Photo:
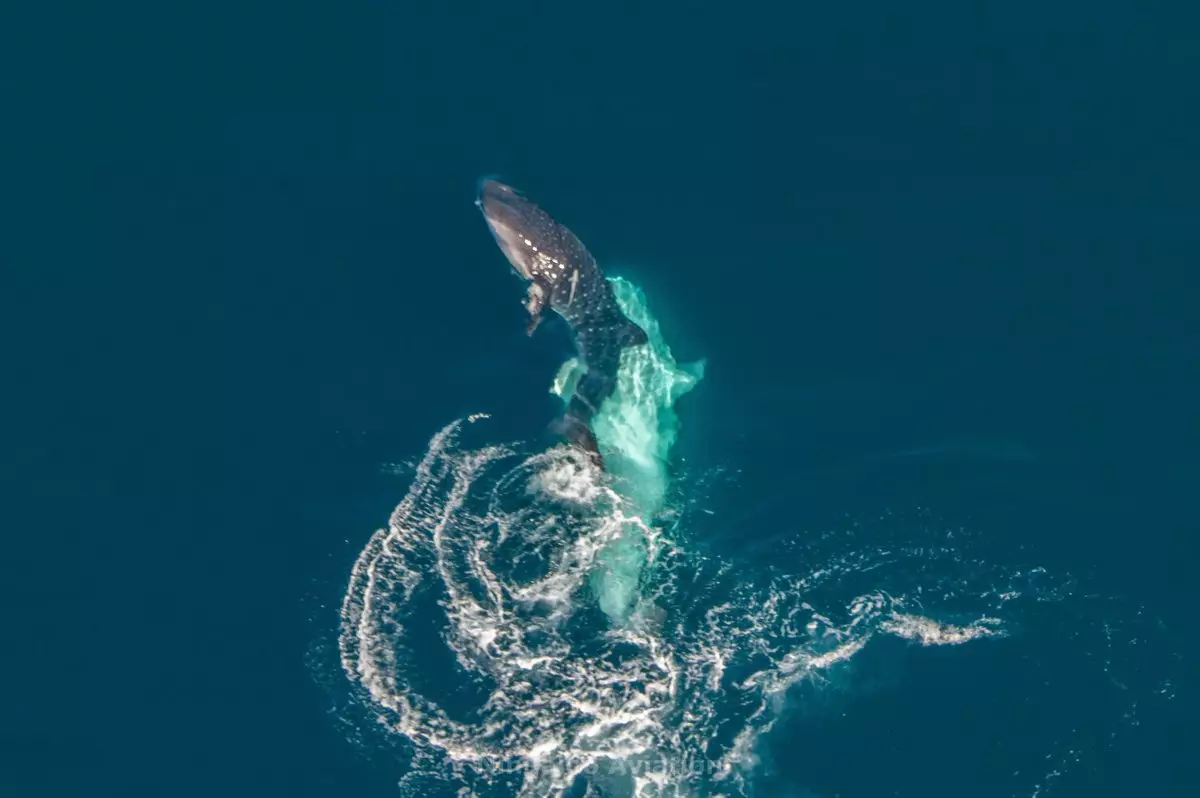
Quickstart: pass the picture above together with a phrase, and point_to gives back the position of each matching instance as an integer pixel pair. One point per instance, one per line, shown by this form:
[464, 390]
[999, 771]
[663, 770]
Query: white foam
[499, 546]
[929, 632]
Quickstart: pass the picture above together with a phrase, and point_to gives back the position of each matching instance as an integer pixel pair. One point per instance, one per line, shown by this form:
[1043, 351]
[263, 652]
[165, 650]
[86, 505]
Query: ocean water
[906, 496]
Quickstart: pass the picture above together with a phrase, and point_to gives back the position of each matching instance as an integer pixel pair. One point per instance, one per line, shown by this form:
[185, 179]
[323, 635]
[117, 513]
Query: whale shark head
[539, 248]
[514, 222]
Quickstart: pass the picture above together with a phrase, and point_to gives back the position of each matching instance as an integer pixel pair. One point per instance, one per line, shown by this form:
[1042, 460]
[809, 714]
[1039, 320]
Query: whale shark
[563, 277]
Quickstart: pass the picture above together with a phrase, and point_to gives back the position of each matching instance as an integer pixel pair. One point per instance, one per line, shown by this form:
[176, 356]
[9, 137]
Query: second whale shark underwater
[564, 277]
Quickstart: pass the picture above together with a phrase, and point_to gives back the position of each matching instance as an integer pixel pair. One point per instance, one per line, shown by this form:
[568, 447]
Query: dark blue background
[245, 270]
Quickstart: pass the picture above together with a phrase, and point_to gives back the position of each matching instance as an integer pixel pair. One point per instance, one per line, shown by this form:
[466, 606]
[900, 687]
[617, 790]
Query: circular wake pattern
[468, 632]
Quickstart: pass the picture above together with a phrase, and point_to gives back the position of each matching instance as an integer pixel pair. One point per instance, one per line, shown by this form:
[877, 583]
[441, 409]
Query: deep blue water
[940, 261]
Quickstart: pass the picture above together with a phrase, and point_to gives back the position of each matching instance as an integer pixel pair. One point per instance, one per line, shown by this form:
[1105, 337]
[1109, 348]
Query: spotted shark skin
[564, 277]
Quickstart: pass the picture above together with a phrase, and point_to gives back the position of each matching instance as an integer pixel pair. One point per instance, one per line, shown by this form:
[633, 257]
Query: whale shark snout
[510, 217]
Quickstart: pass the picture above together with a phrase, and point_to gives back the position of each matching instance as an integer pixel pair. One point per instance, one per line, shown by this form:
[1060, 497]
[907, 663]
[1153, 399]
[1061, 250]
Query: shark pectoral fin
[535, 303]
[632, 335]
[579, 435]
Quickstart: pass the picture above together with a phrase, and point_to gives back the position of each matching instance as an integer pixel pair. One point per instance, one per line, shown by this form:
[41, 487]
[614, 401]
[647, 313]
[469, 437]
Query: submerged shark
[564, 277]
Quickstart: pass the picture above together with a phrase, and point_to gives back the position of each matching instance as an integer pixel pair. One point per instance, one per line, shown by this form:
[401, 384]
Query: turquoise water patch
[636, 428]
